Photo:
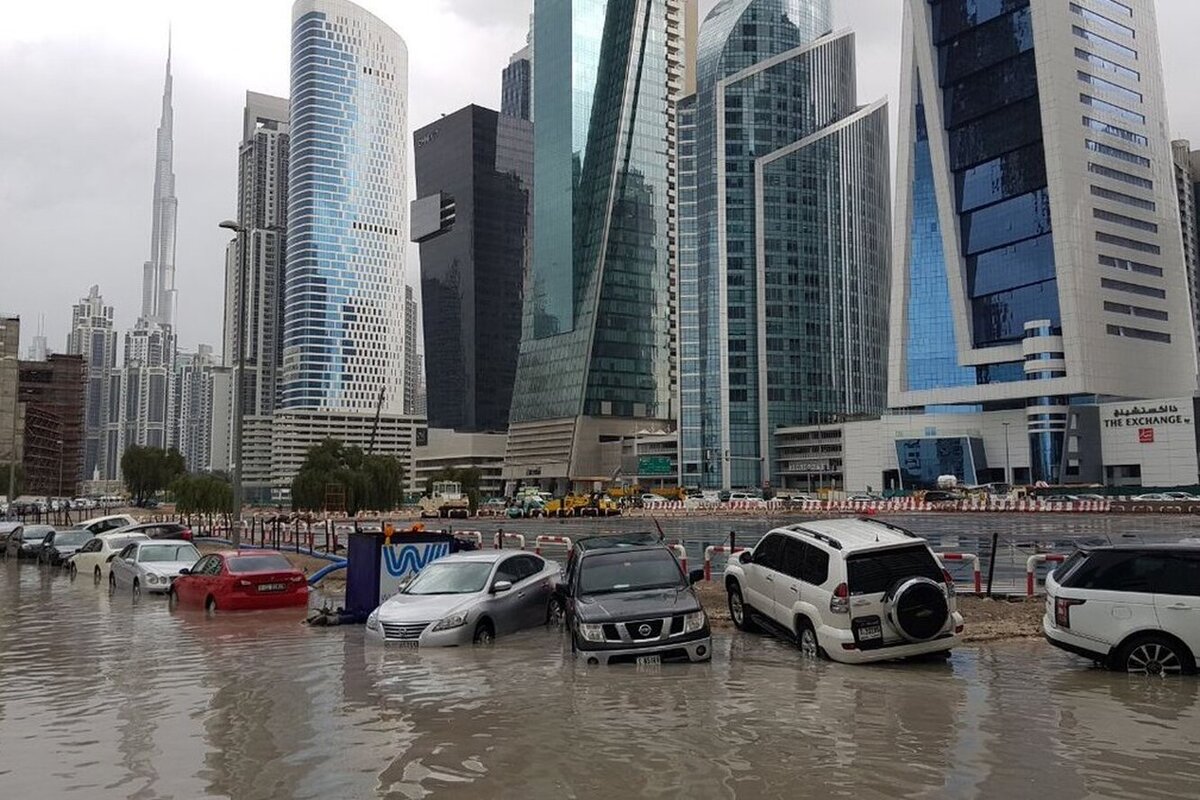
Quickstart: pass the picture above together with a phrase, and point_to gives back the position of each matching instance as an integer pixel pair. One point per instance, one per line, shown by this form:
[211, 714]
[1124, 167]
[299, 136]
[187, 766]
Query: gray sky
[81, 83]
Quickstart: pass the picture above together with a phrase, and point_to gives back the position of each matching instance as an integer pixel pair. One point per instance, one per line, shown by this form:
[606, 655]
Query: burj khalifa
[158, 275]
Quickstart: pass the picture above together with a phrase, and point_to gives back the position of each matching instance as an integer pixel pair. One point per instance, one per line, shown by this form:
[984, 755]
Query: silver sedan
[467, 598]
[150, 565]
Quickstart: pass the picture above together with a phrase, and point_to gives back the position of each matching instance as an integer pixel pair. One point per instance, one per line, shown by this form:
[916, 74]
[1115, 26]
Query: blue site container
[376, 570]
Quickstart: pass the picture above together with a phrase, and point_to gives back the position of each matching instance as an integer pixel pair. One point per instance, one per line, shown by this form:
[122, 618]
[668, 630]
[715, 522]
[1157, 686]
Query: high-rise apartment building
[11, 416]
[195, 400]
[516, 85]
[53, 395]
[263, 154]
[412, 359]
[1187, 184]
[347, 228]
[472, 220]
[784, 260]
[93, 337]
[1038, 255]
[597, 356]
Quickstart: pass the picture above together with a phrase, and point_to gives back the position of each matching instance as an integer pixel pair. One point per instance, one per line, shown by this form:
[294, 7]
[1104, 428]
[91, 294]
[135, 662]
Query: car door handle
[795, 589]
[520, 594]
[769, 578]
[1182, 607]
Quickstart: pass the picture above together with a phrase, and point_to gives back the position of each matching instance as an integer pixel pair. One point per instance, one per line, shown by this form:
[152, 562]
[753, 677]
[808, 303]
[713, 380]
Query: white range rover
[854, 590]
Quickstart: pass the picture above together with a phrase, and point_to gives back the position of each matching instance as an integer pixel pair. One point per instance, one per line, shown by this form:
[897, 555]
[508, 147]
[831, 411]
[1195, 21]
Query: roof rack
[821, 537]
[890, 526]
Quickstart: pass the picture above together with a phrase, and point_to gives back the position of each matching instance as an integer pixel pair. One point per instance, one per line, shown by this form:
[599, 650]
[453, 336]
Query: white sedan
[150, 565]
[93, 558]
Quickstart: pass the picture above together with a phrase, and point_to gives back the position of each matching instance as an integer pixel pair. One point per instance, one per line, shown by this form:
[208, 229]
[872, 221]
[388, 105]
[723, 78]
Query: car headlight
[694, 622]
[373, 620]
[452, 621]
[591, 632]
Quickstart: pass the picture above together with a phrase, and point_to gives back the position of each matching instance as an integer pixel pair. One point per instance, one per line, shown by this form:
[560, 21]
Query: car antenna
[661, 535]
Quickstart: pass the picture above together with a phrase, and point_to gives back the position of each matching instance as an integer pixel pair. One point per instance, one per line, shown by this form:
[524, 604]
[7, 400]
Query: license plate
[272, 587]
[869, 632]
[649, 661]
[410, 645]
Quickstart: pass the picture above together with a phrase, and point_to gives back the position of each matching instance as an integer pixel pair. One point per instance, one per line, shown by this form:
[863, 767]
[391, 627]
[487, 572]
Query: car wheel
[806, 637]
[96, 576]
[137, 590]
[1154, 655]
[172, 600]
[484, 633]
[739, 612]
[73, 571]
[112, 583]
[555, 613]
[210, 605]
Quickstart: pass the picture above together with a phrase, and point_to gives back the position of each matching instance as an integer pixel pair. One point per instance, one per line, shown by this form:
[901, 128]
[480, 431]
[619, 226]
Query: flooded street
[102, 698]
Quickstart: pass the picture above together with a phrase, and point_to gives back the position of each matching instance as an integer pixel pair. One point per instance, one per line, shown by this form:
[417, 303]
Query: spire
[158, 273]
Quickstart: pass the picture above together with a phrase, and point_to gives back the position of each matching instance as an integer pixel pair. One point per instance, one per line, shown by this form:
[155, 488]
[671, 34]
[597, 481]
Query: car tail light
[186, 534]
[949, 580]
[244, 583]
[839, 603]
[1062, 610]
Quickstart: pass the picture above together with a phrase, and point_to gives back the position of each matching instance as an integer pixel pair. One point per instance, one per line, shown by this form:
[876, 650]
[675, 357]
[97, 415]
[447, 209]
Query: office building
[53, 394]
[472, 220]
[412, 359]
[194, 399]
[516, 85]
[446, 449]
[92, 336]
[597, 357]
[1038, 257]
[263, 154]
[221, 430]
[39, 348]
[12, 425]
[784, 263]
[1187, 183]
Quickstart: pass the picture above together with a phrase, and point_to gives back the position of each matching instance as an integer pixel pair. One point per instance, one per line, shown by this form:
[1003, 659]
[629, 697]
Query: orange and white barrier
[680, 553]
[508, 537]
[474, 536]
[555, 541]
[712, 550]
[1031, 566]
[973, 560]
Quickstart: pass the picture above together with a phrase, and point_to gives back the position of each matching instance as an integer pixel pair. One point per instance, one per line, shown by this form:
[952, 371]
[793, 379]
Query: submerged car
[58, 546]
[96, 554]
[240, 580]
[106, 524]
[466, 598]
[26, 542]
[160, 530]
[150, 565]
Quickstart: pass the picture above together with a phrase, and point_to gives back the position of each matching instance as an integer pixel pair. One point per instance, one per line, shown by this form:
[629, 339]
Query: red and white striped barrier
[1031, 566]
[680, 553]
[519, 538]
[973, 560]
[712, 550]
[556, 541]
[474, 536]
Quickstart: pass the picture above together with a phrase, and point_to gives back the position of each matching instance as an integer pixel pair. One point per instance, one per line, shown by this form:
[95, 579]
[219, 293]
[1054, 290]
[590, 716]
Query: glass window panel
[1020, 264]
[1015, 173]
[1000, 318]
[1010, 221]
[1010, 128]
[986, 45]
[1109, 86]
[1107, 65]
[1105, 44]
[1103, 22]
[1112, 108]
[1113, 130]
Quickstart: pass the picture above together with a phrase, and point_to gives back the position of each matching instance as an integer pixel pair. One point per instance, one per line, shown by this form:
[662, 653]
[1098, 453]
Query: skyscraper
[343, 358]
[52, 395]
[263, 154]
[1187, 185]
[1038, 254]
[158, 274]
[516, 85]
[412, 359]
[93, 337]
[472, 219]
[596, 358]
[785, 268]
[11, 420]
[195, 400]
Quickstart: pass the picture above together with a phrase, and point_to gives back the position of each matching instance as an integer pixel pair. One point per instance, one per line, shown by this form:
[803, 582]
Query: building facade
[12, 425]
[263, 157]
[93, 337]
[597, 357]
[347, 219]
[53, 393]
[516, 85]
[412, 359]
[785, 260]
[1038, 253]
[194, 399]
[472, 221]
[447, 449]
[1187, 184]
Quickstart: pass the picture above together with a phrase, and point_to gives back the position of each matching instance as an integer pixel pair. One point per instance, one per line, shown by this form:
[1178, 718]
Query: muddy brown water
[104, 698]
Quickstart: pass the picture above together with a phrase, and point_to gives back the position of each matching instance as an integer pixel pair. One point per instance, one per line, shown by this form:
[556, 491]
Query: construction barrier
[712, 550]
[680, 553]
[471, 536]
[973, 560]
[508, 537]
[559, 541]
[1031, 565]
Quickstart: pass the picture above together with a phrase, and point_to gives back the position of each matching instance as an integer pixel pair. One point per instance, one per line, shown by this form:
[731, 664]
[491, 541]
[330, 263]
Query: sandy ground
[986, 620]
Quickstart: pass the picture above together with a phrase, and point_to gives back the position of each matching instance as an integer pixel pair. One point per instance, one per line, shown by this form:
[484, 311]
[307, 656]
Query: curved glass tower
[791, 239]
[343, 319]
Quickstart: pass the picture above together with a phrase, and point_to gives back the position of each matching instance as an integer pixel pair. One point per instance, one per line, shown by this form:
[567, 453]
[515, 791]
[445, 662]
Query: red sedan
[240, 581]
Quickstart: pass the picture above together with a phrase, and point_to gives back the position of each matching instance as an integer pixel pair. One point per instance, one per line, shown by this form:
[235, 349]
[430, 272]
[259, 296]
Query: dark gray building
[471, 219]
[516, 85]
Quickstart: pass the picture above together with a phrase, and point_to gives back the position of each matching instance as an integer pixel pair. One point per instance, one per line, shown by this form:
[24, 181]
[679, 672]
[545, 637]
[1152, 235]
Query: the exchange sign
[1144, 417]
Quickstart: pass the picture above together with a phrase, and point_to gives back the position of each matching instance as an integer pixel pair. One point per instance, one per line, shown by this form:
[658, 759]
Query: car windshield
[630, 572]
[71, 538]
[35, 533]
[461, 577]
[243, 564]
[119, 542]
[168, 552]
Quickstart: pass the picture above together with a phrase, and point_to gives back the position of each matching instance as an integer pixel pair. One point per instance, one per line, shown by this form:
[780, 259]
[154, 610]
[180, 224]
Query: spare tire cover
[918, 609]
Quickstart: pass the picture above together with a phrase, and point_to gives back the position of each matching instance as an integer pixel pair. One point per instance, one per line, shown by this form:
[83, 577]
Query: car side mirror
[745, 556]
[499, 587]
[111, 558]
[185, 571]
[695, 576]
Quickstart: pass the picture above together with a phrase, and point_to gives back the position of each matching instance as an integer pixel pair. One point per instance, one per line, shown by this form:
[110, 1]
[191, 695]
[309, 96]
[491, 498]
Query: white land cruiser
[854, 590]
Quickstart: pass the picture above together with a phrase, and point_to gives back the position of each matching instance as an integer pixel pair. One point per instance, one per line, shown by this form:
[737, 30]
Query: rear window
[877, 572]
[258, 564]
[1070, 566]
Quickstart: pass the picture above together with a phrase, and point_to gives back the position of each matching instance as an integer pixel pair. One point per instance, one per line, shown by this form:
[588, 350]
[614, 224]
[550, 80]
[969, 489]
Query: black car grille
[676, 625]
[611, 633]
[645, 629]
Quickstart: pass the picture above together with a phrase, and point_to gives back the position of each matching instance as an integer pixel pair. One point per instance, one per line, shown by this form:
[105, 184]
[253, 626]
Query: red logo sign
[1146, 435]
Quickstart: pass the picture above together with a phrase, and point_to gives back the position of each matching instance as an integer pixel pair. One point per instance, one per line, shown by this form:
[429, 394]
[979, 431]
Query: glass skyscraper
[785, 239]
[596, 359]
[347, 222]
[1038, 249]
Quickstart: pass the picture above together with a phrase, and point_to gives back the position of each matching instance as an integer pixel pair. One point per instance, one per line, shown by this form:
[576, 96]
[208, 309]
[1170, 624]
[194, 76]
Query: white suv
[855, 590]
[1134, 608]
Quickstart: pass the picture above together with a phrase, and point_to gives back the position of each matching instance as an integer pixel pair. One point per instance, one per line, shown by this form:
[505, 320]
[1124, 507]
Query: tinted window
[816, 566]
[793, 557]
[1120, 572]
[510, 570]
[769, 552]
[168, 552]
[264, 563]
[1181, 575]
[875, 573]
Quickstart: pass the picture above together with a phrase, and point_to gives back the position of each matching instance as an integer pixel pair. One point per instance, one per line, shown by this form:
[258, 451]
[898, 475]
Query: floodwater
[104, 698]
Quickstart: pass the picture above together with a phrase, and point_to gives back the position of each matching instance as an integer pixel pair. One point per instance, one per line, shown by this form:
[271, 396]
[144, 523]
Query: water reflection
[101, 697]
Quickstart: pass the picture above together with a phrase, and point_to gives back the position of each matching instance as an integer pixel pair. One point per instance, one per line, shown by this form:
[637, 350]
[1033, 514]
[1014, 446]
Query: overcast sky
[81, 83]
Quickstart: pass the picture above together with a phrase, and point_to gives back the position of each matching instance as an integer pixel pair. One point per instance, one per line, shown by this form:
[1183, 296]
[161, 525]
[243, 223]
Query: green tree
[332, 470]
[149, 470]
[207, 493]
[469, 477]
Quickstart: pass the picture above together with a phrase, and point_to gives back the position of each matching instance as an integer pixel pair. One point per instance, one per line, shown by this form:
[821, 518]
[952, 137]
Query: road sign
[654, 465]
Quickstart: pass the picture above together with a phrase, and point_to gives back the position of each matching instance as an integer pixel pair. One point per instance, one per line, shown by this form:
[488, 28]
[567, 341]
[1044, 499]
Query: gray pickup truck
[632, 604]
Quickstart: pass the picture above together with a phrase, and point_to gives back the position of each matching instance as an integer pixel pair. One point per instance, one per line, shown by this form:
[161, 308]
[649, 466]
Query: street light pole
[238, 370]
[60, 460]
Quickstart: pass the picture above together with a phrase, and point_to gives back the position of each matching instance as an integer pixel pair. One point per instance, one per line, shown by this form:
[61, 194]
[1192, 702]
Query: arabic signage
[654, 465]
[1147, 416]
[402, 561]
[808, 466]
